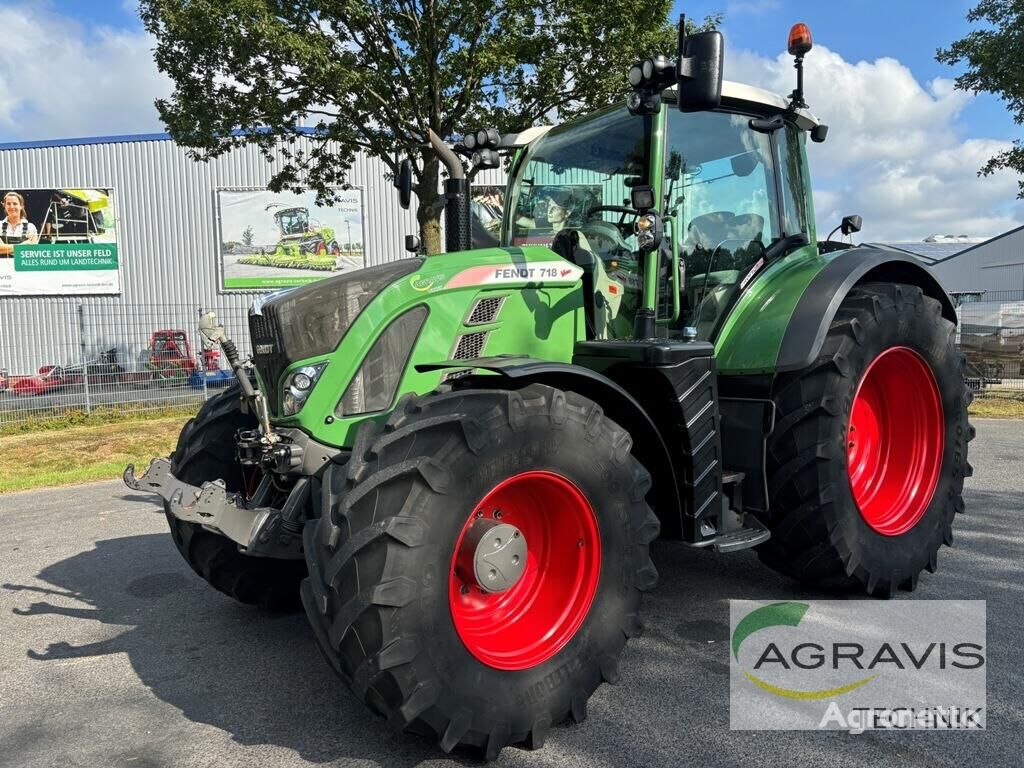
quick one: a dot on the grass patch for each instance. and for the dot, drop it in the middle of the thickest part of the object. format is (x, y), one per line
(84, 453)
(75, 417)
(997, 408)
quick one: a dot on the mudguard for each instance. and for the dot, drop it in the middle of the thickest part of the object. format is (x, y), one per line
(817, 306)
(619, 405)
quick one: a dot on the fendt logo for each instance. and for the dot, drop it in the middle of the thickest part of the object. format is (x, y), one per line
(856, 665)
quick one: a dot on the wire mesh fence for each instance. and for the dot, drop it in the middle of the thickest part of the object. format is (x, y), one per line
(130, 358)
(142, 358)
(991, 336)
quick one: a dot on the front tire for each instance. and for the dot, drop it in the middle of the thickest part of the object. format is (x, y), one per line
(206, 451)
(867, 460)
(397, 617)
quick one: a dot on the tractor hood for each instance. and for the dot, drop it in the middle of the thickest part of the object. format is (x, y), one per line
(335, 320)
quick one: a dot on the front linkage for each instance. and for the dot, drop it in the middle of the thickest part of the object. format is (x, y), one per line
(249, 521)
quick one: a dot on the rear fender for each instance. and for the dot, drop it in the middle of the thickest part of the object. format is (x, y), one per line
(814, 312)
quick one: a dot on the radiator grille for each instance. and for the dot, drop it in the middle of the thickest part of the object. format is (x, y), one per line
(470, 345)
(485, 310)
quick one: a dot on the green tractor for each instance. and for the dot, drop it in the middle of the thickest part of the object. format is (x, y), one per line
(460, 461)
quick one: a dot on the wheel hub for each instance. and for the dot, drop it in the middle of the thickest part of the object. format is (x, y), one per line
(492, 555)
(514, 605)
(894, 442)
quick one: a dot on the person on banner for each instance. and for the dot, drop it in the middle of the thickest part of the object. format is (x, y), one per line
(15, 228)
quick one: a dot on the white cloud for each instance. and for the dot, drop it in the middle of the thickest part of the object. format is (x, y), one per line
(59, 79)
(895, 151)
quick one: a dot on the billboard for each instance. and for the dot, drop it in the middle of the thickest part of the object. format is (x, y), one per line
(58, 242)
(271, 240)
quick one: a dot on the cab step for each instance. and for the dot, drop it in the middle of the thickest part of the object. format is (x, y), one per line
(752, 533)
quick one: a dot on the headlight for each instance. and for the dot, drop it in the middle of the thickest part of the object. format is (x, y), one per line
(375, 383)
(298, 385)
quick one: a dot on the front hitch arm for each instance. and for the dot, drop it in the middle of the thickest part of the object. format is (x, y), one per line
(257, 531)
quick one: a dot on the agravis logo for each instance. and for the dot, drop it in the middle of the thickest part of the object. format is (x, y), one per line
(778, 615)
(857, 665)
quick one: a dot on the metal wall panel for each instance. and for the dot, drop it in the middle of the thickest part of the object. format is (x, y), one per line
(165, 207)
(996, 267)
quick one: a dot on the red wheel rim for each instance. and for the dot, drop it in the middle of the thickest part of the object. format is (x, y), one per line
(895, 440)
(530, 622)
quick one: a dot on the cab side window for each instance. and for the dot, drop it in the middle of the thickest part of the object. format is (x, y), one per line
(721, 189)
(794, 201)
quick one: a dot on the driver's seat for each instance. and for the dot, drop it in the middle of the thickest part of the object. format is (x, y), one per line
(596, 307)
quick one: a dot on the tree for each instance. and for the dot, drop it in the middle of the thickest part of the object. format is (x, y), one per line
(995, 64)
(247, 235)
(374, 75)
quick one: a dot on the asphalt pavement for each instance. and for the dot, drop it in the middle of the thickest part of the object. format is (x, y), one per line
(113, 653)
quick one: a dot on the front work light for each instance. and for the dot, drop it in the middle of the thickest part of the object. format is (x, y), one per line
(298, 385)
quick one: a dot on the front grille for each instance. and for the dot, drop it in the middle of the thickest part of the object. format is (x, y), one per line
(470, 345)
(485, 310)
(268, 352)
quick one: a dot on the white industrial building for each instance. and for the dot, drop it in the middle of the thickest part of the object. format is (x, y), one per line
(168, 240)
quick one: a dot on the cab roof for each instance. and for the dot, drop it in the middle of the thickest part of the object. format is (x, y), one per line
(734, 95)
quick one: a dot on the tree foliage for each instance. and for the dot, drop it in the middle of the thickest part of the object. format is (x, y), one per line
(994, 56)
(375, 75)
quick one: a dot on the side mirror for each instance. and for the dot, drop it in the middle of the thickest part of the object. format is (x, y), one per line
(851, 224)
(412, 244)
(699, 70)
(403, 183)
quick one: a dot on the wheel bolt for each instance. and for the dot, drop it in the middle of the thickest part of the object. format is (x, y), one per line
(464, 589)
(479, 513)
(497, 514)
(580, 543)
(851, 444)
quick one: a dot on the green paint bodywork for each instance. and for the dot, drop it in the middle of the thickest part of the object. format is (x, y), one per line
(537, 319)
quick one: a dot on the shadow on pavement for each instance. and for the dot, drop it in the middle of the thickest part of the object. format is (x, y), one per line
(255, 675)
(260, 678)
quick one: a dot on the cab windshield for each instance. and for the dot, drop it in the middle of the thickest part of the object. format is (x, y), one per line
(578, 177)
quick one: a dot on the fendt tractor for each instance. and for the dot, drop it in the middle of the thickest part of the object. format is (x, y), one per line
(460, 461)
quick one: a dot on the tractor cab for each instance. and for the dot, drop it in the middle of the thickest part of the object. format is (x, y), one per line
(292, 221)
(729, 194)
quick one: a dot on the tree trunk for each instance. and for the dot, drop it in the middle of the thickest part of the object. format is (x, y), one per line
(428, 209)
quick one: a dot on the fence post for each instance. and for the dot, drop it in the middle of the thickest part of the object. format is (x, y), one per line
(202, 357)
(85, 363)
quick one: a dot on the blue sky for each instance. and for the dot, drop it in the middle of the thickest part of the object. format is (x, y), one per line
(903, 149)
(907, 30)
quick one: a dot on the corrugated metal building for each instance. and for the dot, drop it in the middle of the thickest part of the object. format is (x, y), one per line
(994, 268)
(167, 233)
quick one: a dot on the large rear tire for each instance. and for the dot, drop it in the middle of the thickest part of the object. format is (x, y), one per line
(867, 460)
(389, 600)
(206, 451)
